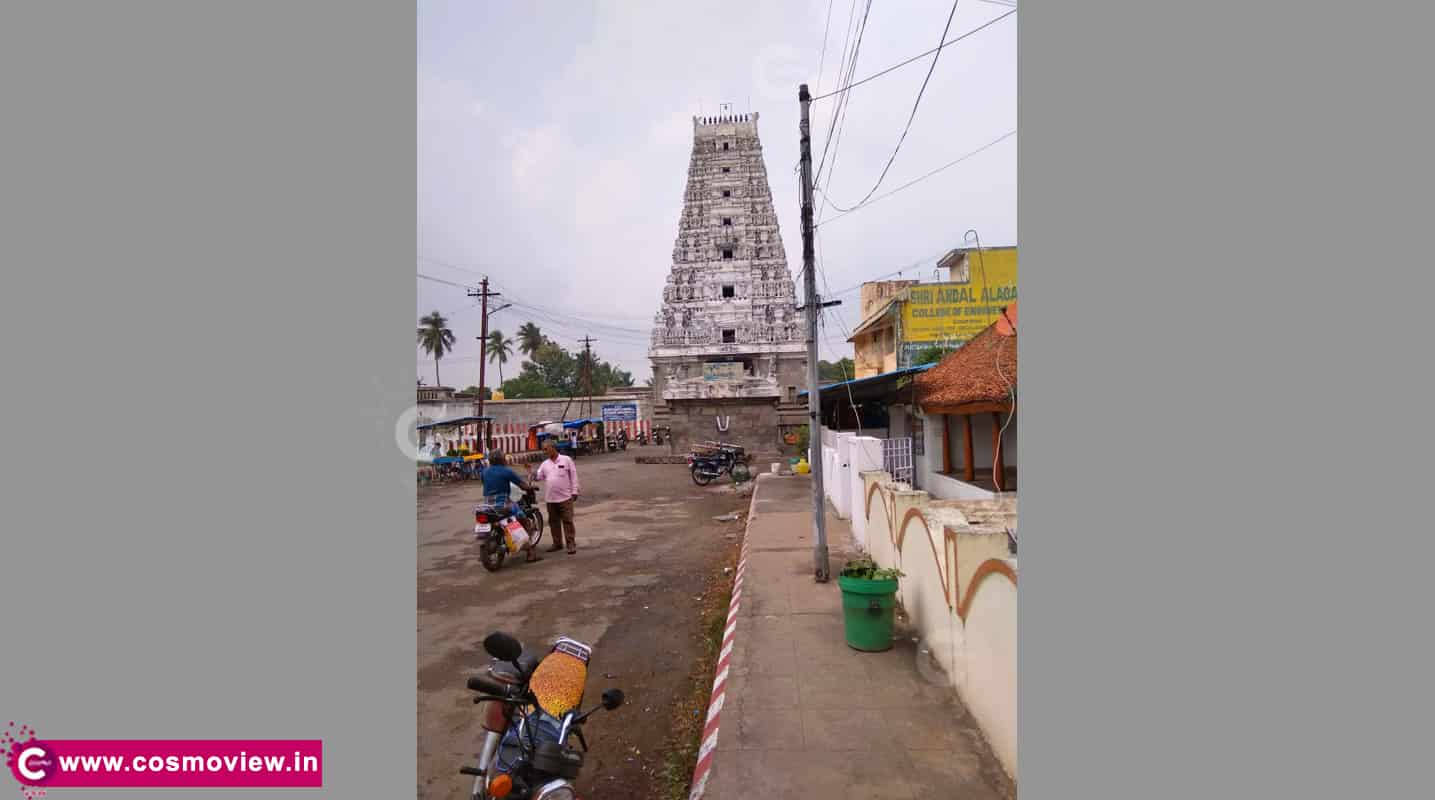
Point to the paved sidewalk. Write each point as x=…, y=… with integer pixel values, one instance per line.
x=806, y=716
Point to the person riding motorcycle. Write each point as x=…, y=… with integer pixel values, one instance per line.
x=497, y=478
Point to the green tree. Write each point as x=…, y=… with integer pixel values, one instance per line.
x=550, y=372
x=843, y=370
x=530, y=338
x=436, y=339
x=500, y=347
x=931, y=354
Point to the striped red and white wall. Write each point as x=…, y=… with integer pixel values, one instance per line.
x=512, y=437
x=707, y=751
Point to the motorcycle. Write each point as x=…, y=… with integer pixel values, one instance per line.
x=658, y=435
x=490, y=521
x=641, y=438
x=530, y=708
x=618, y=442
x=725, y=459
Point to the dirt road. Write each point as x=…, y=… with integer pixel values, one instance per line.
x=647, y=546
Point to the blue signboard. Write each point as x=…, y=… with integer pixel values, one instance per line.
x=620, y=412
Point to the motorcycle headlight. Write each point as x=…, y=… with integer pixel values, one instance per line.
x=556, y=790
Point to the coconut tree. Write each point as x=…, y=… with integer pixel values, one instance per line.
x=500, y=347
x=436, y=339
x=530, y=338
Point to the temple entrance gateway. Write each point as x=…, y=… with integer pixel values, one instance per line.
x=726, y=355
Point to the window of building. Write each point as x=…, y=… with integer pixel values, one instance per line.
x=729, y=336
x=724, y=145
x=727, y=193
x=728, y=291
x=727, y=221
x=727, y=254
x=726, y=169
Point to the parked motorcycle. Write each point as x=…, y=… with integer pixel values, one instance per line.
x=658, y=434
x=641, y=437
x=490, y=521
x=618, y=441
x=711, y=464
x=530, y=708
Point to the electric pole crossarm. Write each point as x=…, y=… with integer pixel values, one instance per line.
x=483, y=293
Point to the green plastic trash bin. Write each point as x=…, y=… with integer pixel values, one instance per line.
x=868, y=610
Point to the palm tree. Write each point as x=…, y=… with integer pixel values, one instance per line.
x=436, y=339
x=530, y=338
x=500, y=347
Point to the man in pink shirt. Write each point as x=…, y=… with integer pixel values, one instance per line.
x=560, y=489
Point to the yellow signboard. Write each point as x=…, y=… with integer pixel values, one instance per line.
x=952, y=313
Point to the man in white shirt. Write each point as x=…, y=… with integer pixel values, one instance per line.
x=560, y=489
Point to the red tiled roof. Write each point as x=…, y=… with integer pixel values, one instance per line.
x=981, y=371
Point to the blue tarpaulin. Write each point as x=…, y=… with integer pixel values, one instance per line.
x=871, y=379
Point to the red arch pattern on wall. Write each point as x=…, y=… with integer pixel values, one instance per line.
x=896, y=535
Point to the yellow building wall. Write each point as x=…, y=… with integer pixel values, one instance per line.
x=952, y=312
x=868, y=356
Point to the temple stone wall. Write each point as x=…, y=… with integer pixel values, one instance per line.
x=752, y=424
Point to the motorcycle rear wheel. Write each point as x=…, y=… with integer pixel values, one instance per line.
x=491, y=554
x=701, y=478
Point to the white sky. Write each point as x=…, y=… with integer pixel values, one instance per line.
x=553, y=143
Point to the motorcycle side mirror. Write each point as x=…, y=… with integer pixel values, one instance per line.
x=612, y=699
x=503, y=647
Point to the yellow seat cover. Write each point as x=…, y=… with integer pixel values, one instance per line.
x=558, y=683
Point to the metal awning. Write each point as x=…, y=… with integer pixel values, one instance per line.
x=453, y=422
x=870, y=387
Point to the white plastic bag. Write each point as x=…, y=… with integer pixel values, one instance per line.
x=515, y=534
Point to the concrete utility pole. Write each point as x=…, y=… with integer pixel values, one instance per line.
x=823, y=571
x=482, y=340
x=588, y=380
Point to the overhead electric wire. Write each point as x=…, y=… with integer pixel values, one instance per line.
x=845, y=105
x=910, y=117
x=450, y=266
x=584, y=322
x=832, y=117
x=571, y=318
x=826, y=26
x=441, y=280
x=915, y=181
x=917, y=57
x=845, y=70
x=498, y=285
x=589, y=314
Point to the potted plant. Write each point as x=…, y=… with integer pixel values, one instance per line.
x=869, y=594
